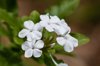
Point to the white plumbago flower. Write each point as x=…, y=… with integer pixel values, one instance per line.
x=68, y=42
x=31, y=31
x=61, y=28
x=54, y=24
x=62, y=64
x=32, y=48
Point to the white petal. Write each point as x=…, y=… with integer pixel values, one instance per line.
x=37, y=53
x=26, y=45
x=64, y=24
x=54, y=26
x=54, y=19
x=43, y=23
x=72, y=40
x=61, y=30
x=28, y=53
x=23, y=33
x=29, y=24
x=49, y=28
x=33, y=42
x=62, y=64
x=29, y=37
x=44, y=17
x=68, y=47
x=68, y=29
x=75, y=42
x=38, y=27
x=39, y=44
x=61, y=40
x=36, y=35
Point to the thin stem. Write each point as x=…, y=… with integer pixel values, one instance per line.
x=53, y=60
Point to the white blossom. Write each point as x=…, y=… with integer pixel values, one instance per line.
x=68, y=42
x=32, y=48
x=62, y=64
x=61, y=28
x=54, y=24
x=31, y=31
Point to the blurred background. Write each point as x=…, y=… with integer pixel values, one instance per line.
x=85, y=19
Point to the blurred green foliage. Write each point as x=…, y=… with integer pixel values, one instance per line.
x=8, y=5
x=10, y=56
x=65, y=8
x=82, y=39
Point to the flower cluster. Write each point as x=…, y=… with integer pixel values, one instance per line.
x=34, y=43
x=33, y=32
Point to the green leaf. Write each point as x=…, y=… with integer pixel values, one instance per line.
x=5, y=62
x=21, y=21
x=24, y=18
x=3, y=31
x=13, y=59
x=9, y=19
x=81, y=38
x=3, y=4
x=66, y=8
x=1, y=47
x=35, y=16
x=18, y=40
x=9, y=5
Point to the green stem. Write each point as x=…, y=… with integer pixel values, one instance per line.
x=53, y=60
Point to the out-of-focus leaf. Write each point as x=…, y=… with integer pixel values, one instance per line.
x=9, y=19
x=35, y=16
x=65, y=8
x=81, y=38
x=8, y=57
x=4, y=62
x=3, y=4
x=24, y=18
x=8, y=5
x=1, y=47
x=18, y=40
x=3, y=31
